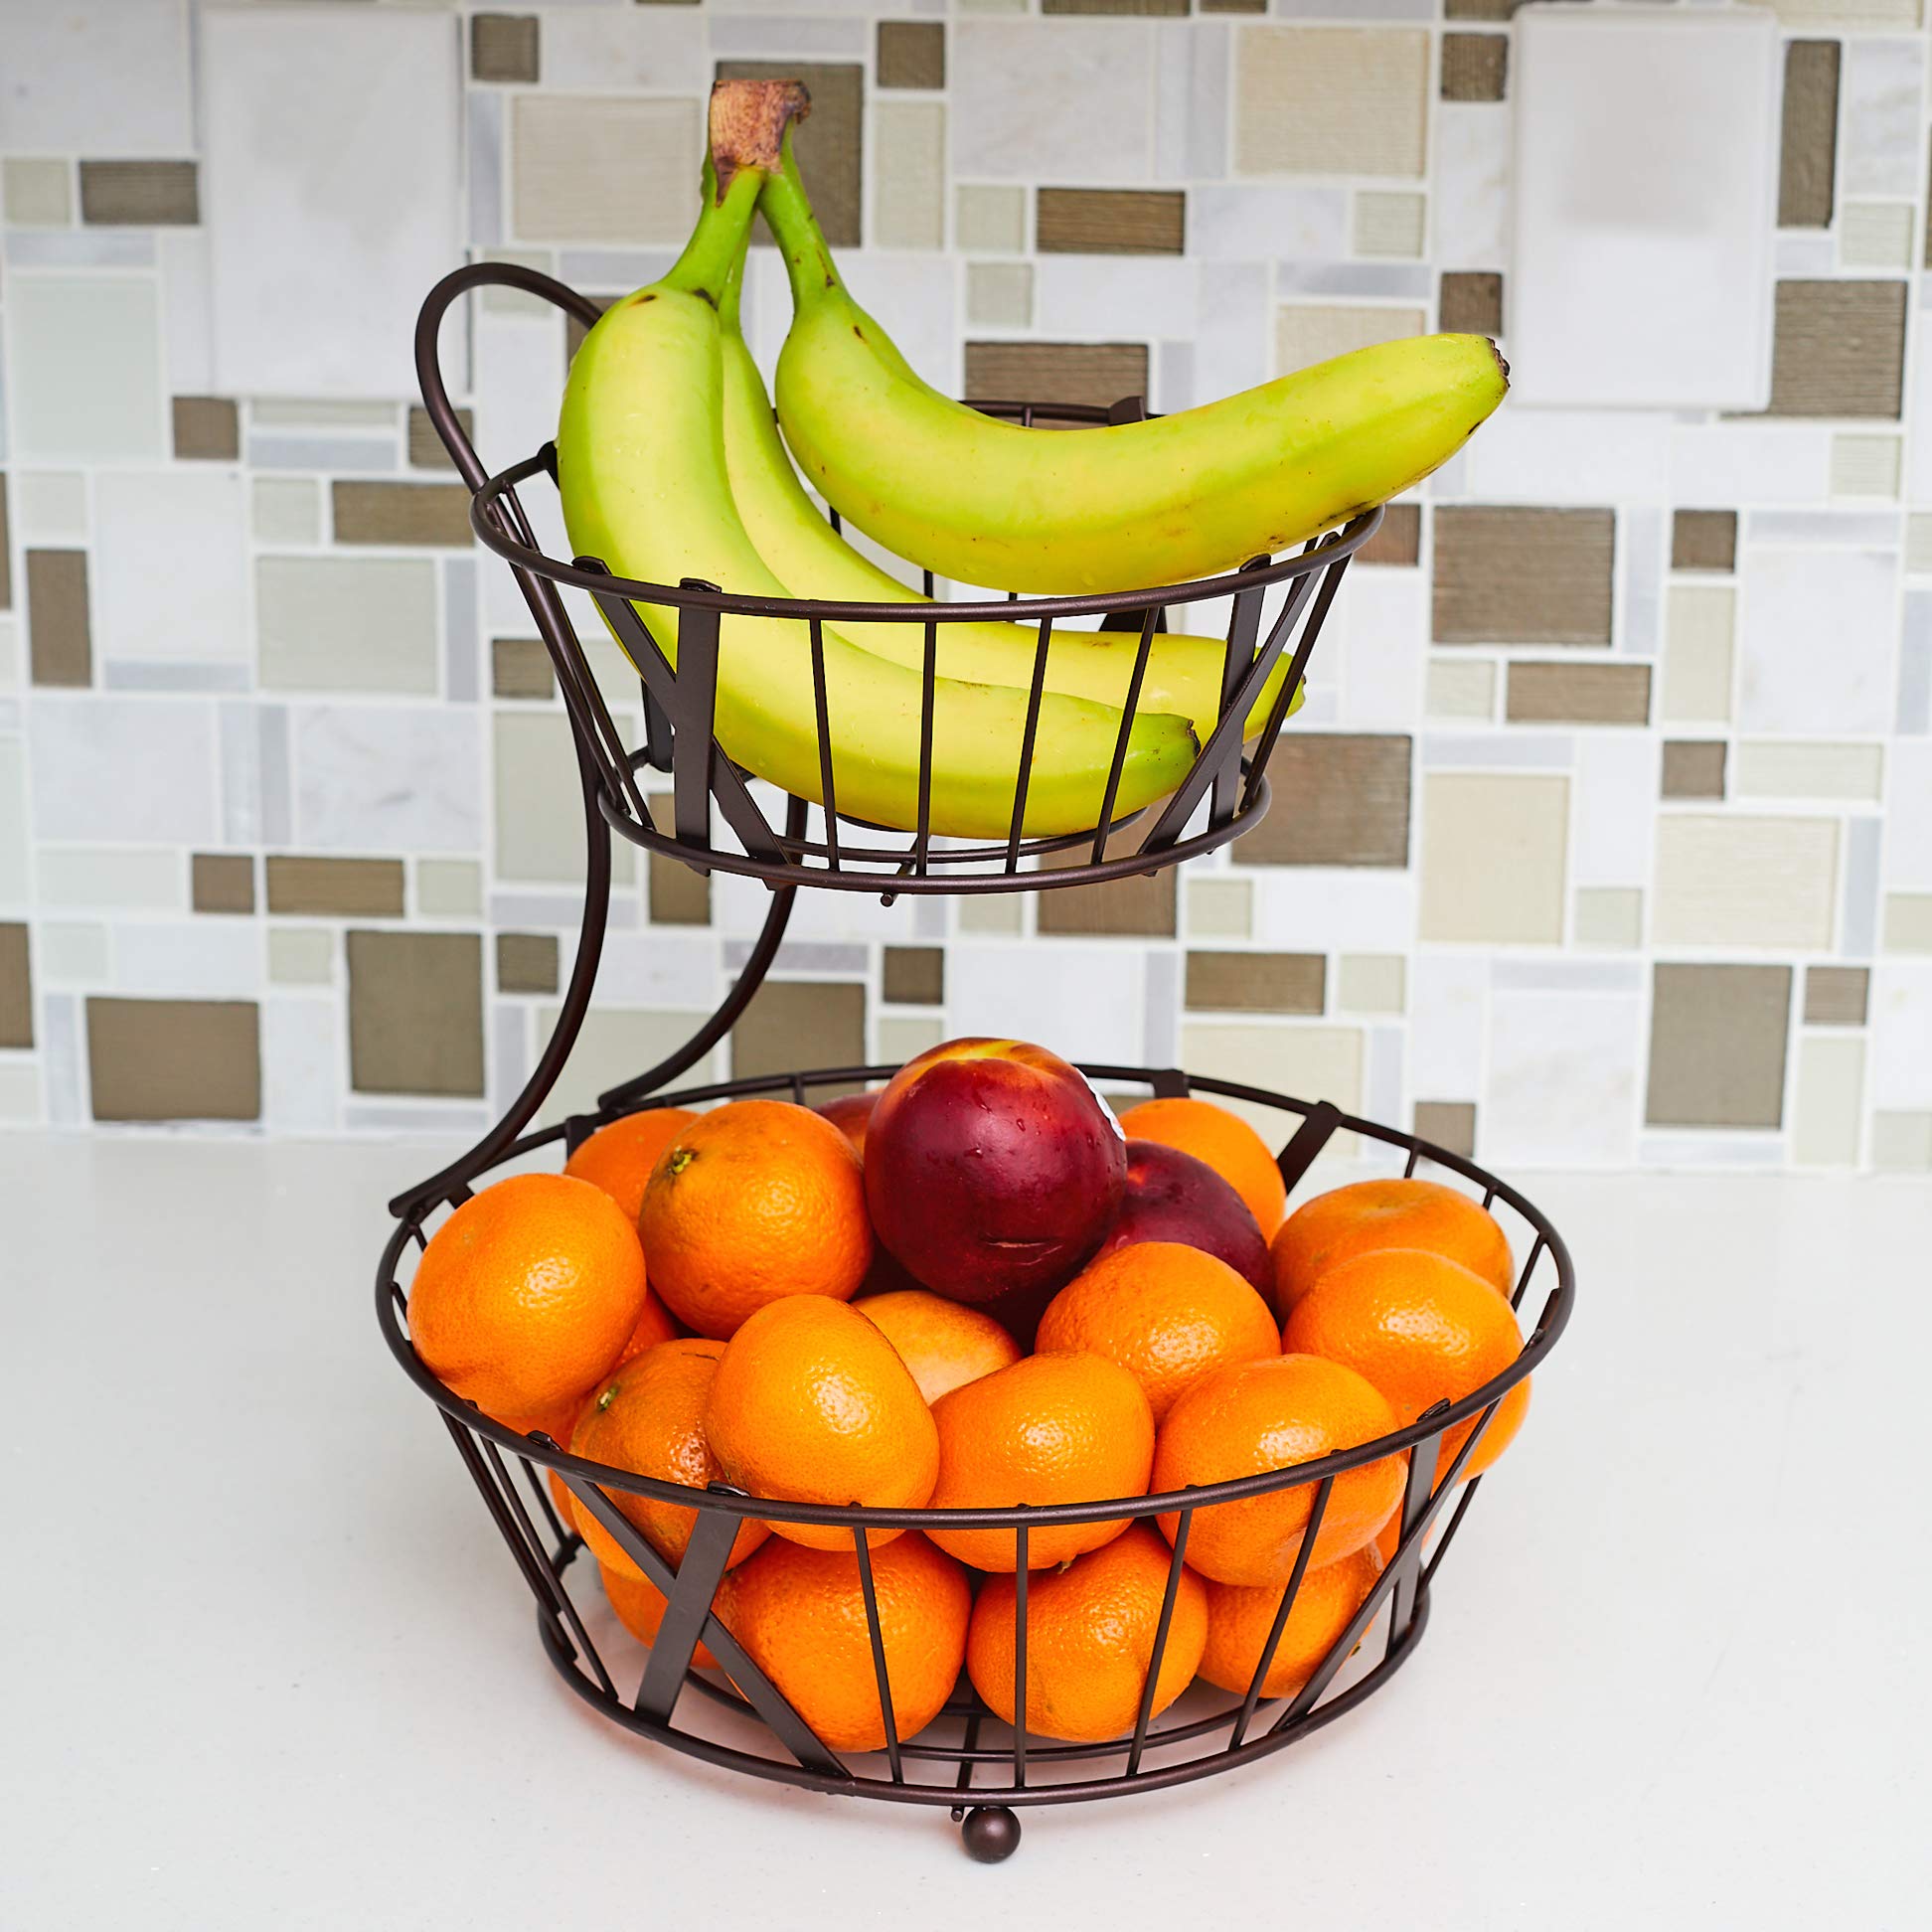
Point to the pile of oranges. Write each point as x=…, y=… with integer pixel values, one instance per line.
x=727, y=1297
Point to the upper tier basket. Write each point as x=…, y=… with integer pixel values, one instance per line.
x=1275, y=606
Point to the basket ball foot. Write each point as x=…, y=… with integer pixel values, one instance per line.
x=990, y=1833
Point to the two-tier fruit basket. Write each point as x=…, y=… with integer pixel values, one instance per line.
x=968, y=1761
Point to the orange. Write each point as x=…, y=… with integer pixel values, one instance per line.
x=649, y=1419
x=1052, y=1428
x=619, y=1158
x=943, y=1342
x=801, y=1616
x=755, y=1202
x=1165, y=1311
x=556, y=1423
x=653, y=1326
x=1423, y=1329
x=1262, y=1416
x=526, y=1293
x=1396, y=1214
x=1239, y=1619
x=1224, y=1141
x=1090, y=1629
x=640, y=1606
x=812, y=1404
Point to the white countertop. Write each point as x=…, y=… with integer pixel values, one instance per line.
x=268, y=1665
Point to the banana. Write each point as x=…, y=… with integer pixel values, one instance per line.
x=642, y=475
x=1104, y=509
x=810, y=557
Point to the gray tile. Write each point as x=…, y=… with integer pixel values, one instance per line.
x=1399, y=539
x=1807, y=155
x=424, y=446
x=678, y=895
x=175, y=1060
x=1838, y=349
x=1717, y=1046
x=1522, y=576
x=415, y=1013
x=519, y=667
x=5, y=550
x=1837, y=996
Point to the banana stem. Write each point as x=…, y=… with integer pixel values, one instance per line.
x=730, y=294
x=788, y=210
x=718, y=242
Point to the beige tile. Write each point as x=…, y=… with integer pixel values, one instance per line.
x=174, y=1060
x=913, y=975
x=1798, y=768
x=1808, y=149
x=1305, y=1062
x=1255, y=982
x=1110, y=220
x=1578, y=693
x=286, y=510
x=16, y=986
x=526, y=962
x=1160, y=9
x=1523, y=577
x=404, y=514
x=597, y=168
x=830, y=143
x=139, y=194
x=1842, y=13
x=1745, y=882
x=910, y=54
x=1474, y=66
x=994, y=912
x=301, y=955
x=800, y=1024
x=38, y=193
x=990, y=220
x=1307, y=333
x=1371, y=983
x=366, y=889
x=1901, y=1143
x=1610, y=917
x=500, y=300
x=1448, y=1124
x=1694, y=768
x=347, y=623
x=1390, y=225
x=503, y=47
x=1908, y=922
x=1218, y=909
x=999, y=294
x=1461, y=688
x=206, y=427
x=1099, y=373
x=1717, y=1046
x=1304, y=96
x=1838, y=349
x=1340, y=799
x=1703, y=540
x=615, y=1044
x=1865, y=466
x=909, y=174
x=1493, y=856
x=222, y=882
x=1876, y=234
x=415, y=1013
x=1697, y=689
x=1837, y=996
x=538, y=809
x=903, y=1037
x=448, y=888
x=58, y=632
x=1399, y=539
x=1828, y=1103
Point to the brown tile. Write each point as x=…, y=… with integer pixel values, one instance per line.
x=1578, y=693
x=415, y=1013
x=426, y=449
x=1110, y=220
x=1703, y=540
x=404, y=514
x=1340, y=799
x=206, y=428
x=1807, y=155
x=1399, y=539
x=678, y=895
x=1835, y=996
x=58, y=643
x=1158, y=9
x=1839, y=349
x=139, y=194
x=503, y=47
x=914, y=975
x=16, y=987
x=1450, y=1124
x=829, y=143
x=1523, y=577
x=1255, y=982
x=1474, y=66
x=175, y=1060
x=519, y=667
x=911, y=54
x=355, y=888
x=527, y=962
x=1717, y=1046
x=222, y=882
x=1137, y=904
x=1472, y=304
x=5, y=550
x=1480, y=9
x=1056, y=371
x=797, y=1024
x=1232, y=6
x=1694, y=770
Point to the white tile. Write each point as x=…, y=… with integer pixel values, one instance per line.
x=347, y=623
x=1562, y=1079
x=1013, y=85
x=1234, y=327
x=170, y=580
x=630, y=50
x=12, y=670
x=1901, y=1143
x=301, y=955
x=538, y=811
x=659, y=968
x=1492, y=856
x=1745, y=882
x=123, y=769
x=908, y=170
x=15, y=849
x=386, y=778
x=1616, y=794
x=1380, y=649
x=1795, y=768
x=1046, y=993
x=1191, y=64
x=924, y=307
x=1909, y=812
x=121, y=880
x=1722, y=464
x=302, y=1060
x=1901, y=1033
x=97, y=77
x=186, y=316
x=1292, y=222
x=588, y=168
x=1793, y=600
x=1527, y=455
x=1470, y=185
x=85, y=361
x=1364, y=909
x=1448, y=1022
x=302, y=305
x=49, y=506
x=1881, y=126
x=70, y=952
x=1093, y=296
x=211, y=959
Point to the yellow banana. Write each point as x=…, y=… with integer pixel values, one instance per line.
x=641, y=471
x=810, y=557
x=1104, y=509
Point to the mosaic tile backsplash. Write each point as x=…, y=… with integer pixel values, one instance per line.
x=1605, y=837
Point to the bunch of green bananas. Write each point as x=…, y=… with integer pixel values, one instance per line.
x=670, y=467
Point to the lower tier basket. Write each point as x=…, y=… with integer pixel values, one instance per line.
x=968, y=1760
